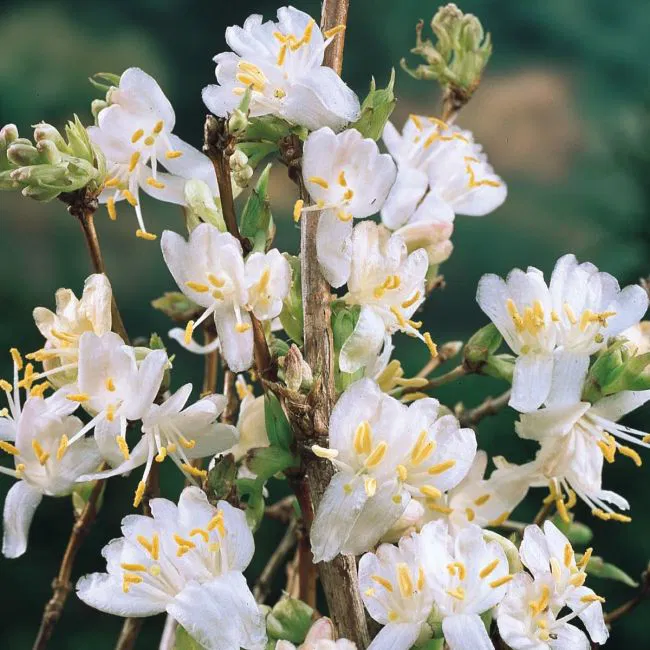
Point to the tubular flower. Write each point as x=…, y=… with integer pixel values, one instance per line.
x=182, y=434
x=386, y=453
x=73, y=317
x=282, y=63
x=251, y=425
x=554, y=329
x=388, y=284
x=35, y=434
x=348, y=179
x=210, y=270
x=319, y=637
x=135, y=134
x=441, y=172
x=558, y=582
x=113, y=388
x=186, y=560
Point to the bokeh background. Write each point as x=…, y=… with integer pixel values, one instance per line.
x=561, y=113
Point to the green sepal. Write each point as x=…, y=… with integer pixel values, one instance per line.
x=266, y=462
x=598, y=568
x=291, y=315
x=256, y=215
x=376, y=109
x=290, y=619
x=278, y=428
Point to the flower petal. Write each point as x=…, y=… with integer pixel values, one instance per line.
x=333, y=247
x=396, y=636
x=463, y=631
x=20, y=505
x=531, y=381
x=408, y=190
x=237, y=346
x=365, y=342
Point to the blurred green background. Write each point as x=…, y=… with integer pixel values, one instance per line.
x=561, y=114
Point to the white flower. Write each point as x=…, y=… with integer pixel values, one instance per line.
x=347, y=178
x=558, y=582
x=210, y=270
x=187, y=561
x=283, y=65
x=319, y=637
x=638, y=337
x=442, y=172
x=386, y=452
x=114, y=389
x=135, y=134
x=73, y=317
x=251, y=425
x=555, y=329
x=35, y=434
x=182, y=434
x=388, y=284
x=432, y=234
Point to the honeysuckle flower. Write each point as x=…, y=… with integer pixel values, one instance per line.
x=186, y=560
x=251, y=425
x=34, y=433
x=182, y=434
x=114, y=389
x=210, y=270
x=638, y=337
x=319, y=637
x=441, y=172
x=554, y=329
x=348, y=179
x=282, y=63
x=558, y=582
x=135, y=134
x=396, y=593
x=431, y=233
x=73, y=317
x=386, y=452
x=388, y=284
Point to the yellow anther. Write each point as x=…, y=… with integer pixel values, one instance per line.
x=370, y=486
x=556, y=569
x=377, y=455
x=430, y=492
x=435, y=507
x=142, y=234
x=181, y=541
x=482, y=500
x=397, y=498
x=586, y=319
x=499, y=520
x=402, y=472
x=363, y=438
x=110, y=412
x=342, y=180
x=457, y=567
x=135, y=159
x=171, y=447
x=348, y=195
x=344, y=216
x=572, y=500
x=194, y=471
x=608, y=446
x=568, y=555
x=5, y=412
x=170, y=155
x=213, y=547
x=441, y=467
x=370, y=592
x=418, y=454
x=282, y=55
x=404, y=580
x=412, y=300
x=189, y=329
x=555, y=316
x=417, y=324
x=324, y=452
x=39, y=452
x=63, y=336
x=112, y=182
x=562, y=510
x=5, y=386
x=130, y=198
x=161, y=455
x=646, y=439
x=263, y=284
x=569, y=313
x=584, y=560
x=38, y=390
x=137, y=135
x=630, y=453
x=380, y=580
x=617, y=516
x=152, y=182
x=601, y=514
x=152, y=547
x=514, y=314
x=197, y=286
x=242, y=327
x=399, y=316
x=306, y=37
x=149, y=140
x=539, y=605
x=158, y=127
x=216, y=281
x=297, y=209
x=458, y=593
x=154, y=570
x=63, y=446
x=500, y=581
x=488, y=569
x=433, y=348
x=133, y=567
x=421, y=579
x=203, y=533
x=319, y=180
x=17, y=359
x=578, y=579
x=279, y=93
x=217, y=522
x=9, y=448
x=472, y=182
x=414, y=382
x=416, y=121
x=110, y=206
x=393, y=616
x=20, y=468
x=347, y=488
x=470, y=514
x=328, y=33
x=128, y=580
x=139, y=493
x=592, y=598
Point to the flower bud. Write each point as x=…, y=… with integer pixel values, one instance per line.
x=290, y=619
x=44, y=131
x=48, y=152
x=201, y=203
x=432, y=235
x=237, y=122
x=238, y=160
x=96, y=106
x=22, y=154
x=481, y=346
x=8, y=134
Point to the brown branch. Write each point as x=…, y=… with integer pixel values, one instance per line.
x=334, y=13
x=211, y=364
x=435, y=382
x=491, y=406
x=307, y=571
x=633, y=603
x=230, y=412
x=282, y=510
x=446, y=352
x=129, y=634
x=543, y=513
x=61, y=585
x=263, y=586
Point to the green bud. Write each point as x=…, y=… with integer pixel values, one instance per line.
x=607, y=362
x=630, y=375
x=265, y=462
x=500, y=366
x=290, y=620
x=7, y=182
x=201, y=205
x=81, y=493
x=8, y=134
x=278, y=347
x=177, y=306
x=222, y=477
x=376, y=109
x=252, y=492
x=256, y=215
x=237, y=122
x=291, y=315
x=482, y=345
x=48, y=152
x=20, y=154
x=44, y=131
x=578, y=534
x=256, y=152
x=267, y=128
x=96, y=107
x=344, y=320
x=511, y=551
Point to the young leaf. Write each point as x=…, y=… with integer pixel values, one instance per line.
x=256, y=215
x=184, y=641
x=376, y=109
x=277, y=426
x=598, y=568
x=267, y=461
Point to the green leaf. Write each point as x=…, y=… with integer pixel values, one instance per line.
x=257, y=151
x=290, y=619
x=629, y=376
x=482, y=345
x=222, y=477
x=291, y=316
x=252, y=491
x=598, y=568
x=184, y=641
x=177, y=306
x=376, y=109
x=268, y=461
x=344, y=320
x=112, y=80
x=278, y=428
x=256, y=215
x=267, y=128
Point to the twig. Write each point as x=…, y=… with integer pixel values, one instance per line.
x=445, y=353
x=282, y=510
x=229, y=413
x=62, y=585
x=491, y=406
x=435, y=382
x=633, y=603
x=543, y=513
x=211, y=364
x=307, y=571
x=263, y=585
x=168, y=638
x=129, y=634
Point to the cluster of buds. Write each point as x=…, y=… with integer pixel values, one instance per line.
x=242, y=172
x=52, y=164
x=459, y=56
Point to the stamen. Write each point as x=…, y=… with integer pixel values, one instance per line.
x=133, y=202
x=404, y=580
x=153, y=547
x=194, y=471
x=370, y=486
x=578, y=579
x=568, y=555
x=133, y=567
x=416, y=121
x=433, y=348
x=344, y=216
x=282, y=54
x=435, y=507
x=149, y=140
x=380, y=580
x=328, y=33
x=133, y=163
x=377, y=455
x=441, y=467
x=482, y=500
x=297, y=209
x=488, y=569
x=154, y=183
x=242, y=327
x=112, y=182
x=170, y=155
x=570, y=314
x=110, y=384
x=584, y=560
x=342, y=180
x=199, y=531
x=630, y=453
x=363, y=438
x=137, y=135
x=412, y=300
x=348, y=194
x=430, y=491
x=158, y=127
x=470, y=514
x=17, y=359
x=188, y=444
x=139, y=493
x=39, y=452
x=453, y=567
x=162, y=454
x=9, y=448
x=402, y=472
x=499, y=520
x=556, y=569
x=142, y=234
x=324, y=452
x=63, y=446
x=501, y=581
x=592, y=598
x=458, y=593
x=189, y=329
x=78, y=397
x=197, y=286
x=217, y=522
